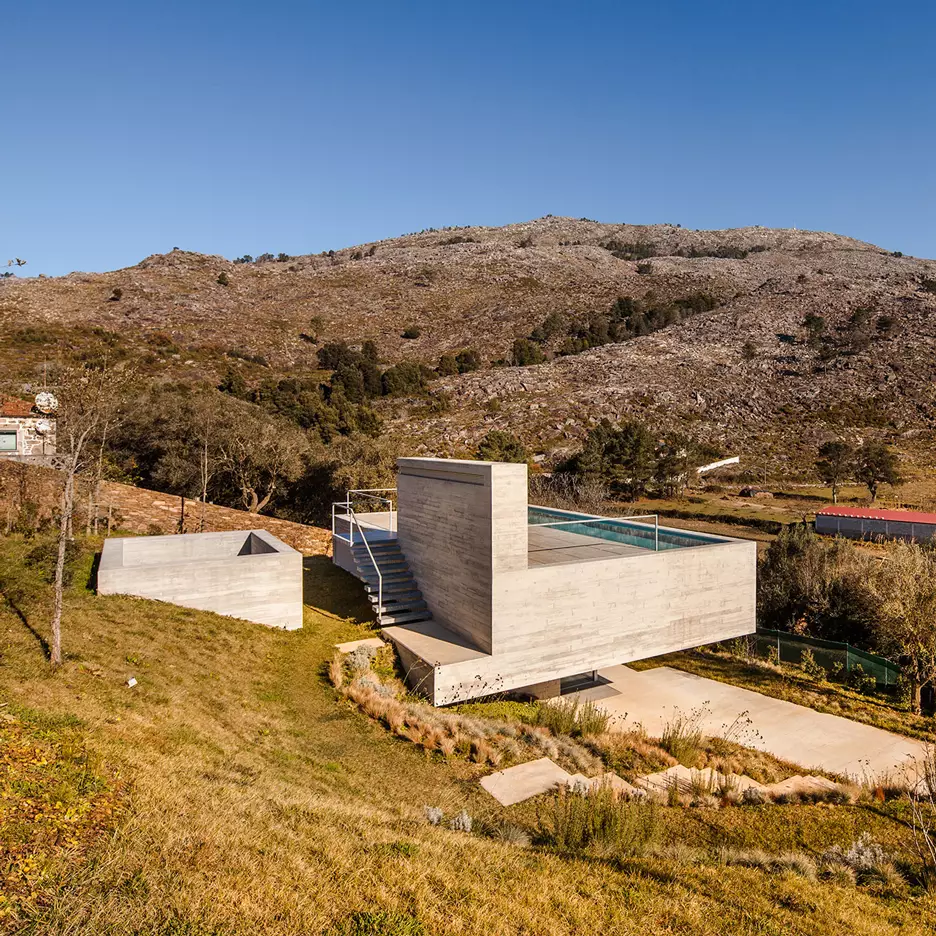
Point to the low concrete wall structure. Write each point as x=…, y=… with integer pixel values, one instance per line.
x=247, y=574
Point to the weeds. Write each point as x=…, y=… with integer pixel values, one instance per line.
x=682, y=735
x=597, y=819
x=571, y=717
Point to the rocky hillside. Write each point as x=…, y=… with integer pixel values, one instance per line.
x=747, y=373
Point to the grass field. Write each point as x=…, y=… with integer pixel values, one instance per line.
x=233, y=791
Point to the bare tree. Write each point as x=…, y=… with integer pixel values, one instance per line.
x=89, y=398
x=905, y=586
x=259, y=454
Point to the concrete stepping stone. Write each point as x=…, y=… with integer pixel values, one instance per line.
x=801, y=785
x=374, y=642
x=516, y=784
x=687, y=778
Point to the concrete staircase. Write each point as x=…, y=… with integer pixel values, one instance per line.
x=402, y=600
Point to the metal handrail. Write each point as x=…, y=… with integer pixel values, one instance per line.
x=354, y=520
x=594, y=519
x=373, y=493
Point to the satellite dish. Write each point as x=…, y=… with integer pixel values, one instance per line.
x=46, y=402
x=43, y=426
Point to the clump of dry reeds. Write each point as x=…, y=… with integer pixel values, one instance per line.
x=483, y=740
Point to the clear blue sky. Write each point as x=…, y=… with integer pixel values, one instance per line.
x=130, y=128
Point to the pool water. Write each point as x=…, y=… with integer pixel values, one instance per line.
x=619, y=531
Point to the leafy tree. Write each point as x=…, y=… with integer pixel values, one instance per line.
x=526, y=352
x=283, y=257
x=677, y=458
x=808, y=585
x=468, y=360
x=815, y=326
x=448, y=366
x=406, y=378
x=835, y=463
x=259, y=454
x=501, y=446
x=624, y=457
x=876, y=464
x=905, y=585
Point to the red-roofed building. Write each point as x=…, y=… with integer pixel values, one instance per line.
x=870, y=523
x=24, y=431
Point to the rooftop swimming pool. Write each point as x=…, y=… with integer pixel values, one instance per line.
x=631, y=533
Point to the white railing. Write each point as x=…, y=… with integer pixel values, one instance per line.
x=654, y=517
x=374, y=494
x=353, y=522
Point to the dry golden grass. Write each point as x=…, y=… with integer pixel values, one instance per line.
x=263, y=802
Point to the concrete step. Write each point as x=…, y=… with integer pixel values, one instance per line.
x=391, y=588
x=384, y=548
x=392, y=578
x=408, y=617
x=409, y=594
x=385, y=565
x=399, y=607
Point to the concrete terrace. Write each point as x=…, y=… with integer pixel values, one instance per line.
x=546, y=545
x=478, y=599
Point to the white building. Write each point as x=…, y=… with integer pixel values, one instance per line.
x=481, y=592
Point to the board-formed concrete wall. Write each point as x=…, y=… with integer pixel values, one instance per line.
x=246, y=574
x=560, y=620
x=459, y=522
x=463, y=526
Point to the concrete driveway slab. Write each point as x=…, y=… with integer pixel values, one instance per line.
x=792, y=732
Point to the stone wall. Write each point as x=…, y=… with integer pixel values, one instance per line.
x=138, y=510
x=28, y=441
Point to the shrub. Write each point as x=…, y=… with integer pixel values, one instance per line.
x=644, y=269
x=571, y=717
x=682, y=735
x=526, y=352
x=447, y=366
x=810, y=667
x=461, y=822
x=598, y=817
x=411, y=333
x=44, y=557
x=861, y=681
x=501, y=446
x=468, y=360
x=223, y=279
x=116, y=295
x=434, y=815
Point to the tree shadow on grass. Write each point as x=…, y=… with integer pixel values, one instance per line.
x=18, y=611
x=328, y=588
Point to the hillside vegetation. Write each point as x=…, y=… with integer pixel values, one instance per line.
x=764, y=342
x=234, y=791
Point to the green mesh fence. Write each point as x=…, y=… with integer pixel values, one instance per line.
x=790, y=647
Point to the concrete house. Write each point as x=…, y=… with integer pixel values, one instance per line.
x=25, y=433
x=481, y=592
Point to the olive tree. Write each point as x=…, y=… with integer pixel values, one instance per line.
x=905, y=587
x=835, y=463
